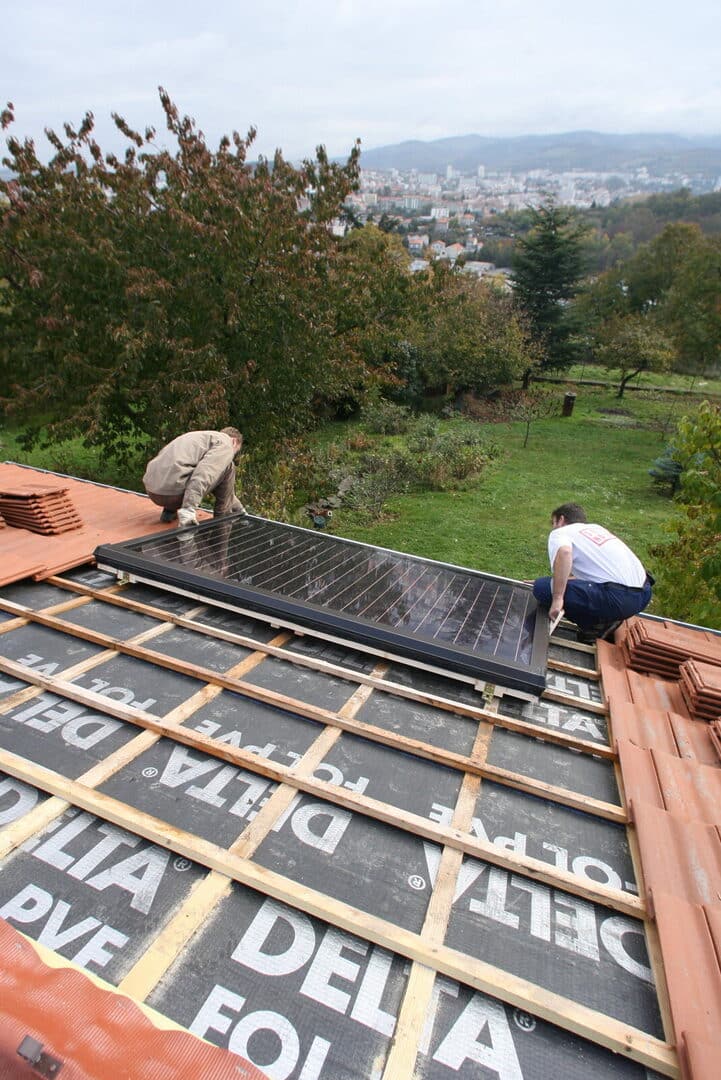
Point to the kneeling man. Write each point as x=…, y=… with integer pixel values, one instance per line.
x=596, y=578
x=192, y=466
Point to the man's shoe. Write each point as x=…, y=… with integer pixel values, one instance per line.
x=168, y=515
x=599, y=632
x=610, y=630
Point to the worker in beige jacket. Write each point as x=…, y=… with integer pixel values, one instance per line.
x=192, y=466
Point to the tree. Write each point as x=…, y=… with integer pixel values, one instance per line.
x=468, y=333
x=632, y=344
x=692, y=309
x=173, y=289
x=689, y=565
x=547, y=268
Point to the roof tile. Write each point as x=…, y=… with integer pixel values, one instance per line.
x=678, y=856
x=694, y=981
x=108, y=515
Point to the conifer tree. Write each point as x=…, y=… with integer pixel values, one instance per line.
x=547, y=268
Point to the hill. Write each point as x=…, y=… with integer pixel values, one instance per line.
x=592, y=150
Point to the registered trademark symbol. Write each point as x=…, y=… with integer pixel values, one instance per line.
x=417, y=882
x=149, y=772
x=182, y=864
x=523, y=1020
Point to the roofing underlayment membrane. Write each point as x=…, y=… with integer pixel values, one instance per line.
x=234, y=845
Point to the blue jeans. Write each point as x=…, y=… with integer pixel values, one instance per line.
x=588, y=603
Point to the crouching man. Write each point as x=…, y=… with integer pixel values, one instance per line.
x=190, y=467
x=596, y=579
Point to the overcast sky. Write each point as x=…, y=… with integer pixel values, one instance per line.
x=329, y=71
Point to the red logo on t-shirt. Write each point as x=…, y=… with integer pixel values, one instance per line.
x=598, y=537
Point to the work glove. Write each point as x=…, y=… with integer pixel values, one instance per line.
x=187, y=517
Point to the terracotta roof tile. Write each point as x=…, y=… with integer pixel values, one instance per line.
x=640, y=779
x=108, y=516
x=614, y=674
x=650, y=728
x=679, y=856
x=694, y=740
x=689, y=943
x=714, y=731
x=685, y=788
x=661, y=648
x=701, y=687
x=699, y=1058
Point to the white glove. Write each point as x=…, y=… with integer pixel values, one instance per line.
x=187, y=517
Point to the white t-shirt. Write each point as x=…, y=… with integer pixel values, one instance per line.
x=598, y=555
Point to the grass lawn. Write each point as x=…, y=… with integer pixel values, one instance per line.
x=499, y=523
x=648, y=380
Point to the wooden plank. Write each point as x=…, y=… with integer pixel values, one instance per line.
x=573, y=669
x=151, y=967
x=574, y=702
x=545, y=1004
x=569, y=643
x=414, y=1011
x=523, y=727
x=324, y=716
x=350, y=800
x=40, y=817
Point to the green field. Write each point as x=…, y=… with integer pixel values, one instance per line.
x=598, y=457
x=498, y=521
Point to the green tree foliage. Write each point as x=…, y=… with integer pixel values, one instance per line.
x=547, y=269
x=632, y=344
x=468, y=333
x=689, y=566
x=692, y=307
x=174, y=289
x=673, y=282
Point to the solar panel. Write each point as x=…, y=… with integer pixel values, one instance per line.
x=464, y=621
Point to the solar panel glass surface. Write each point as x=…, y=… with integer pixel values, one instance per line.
x=474, y=623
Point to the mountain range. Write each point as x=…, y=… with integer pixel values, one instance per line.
x=590, y=150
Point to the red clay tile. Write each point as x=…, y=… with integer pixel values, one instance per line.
x=689, y=789
x=639, y=774
x=694, y=740
x=693, y=977
x=108, y=515
x=663, y=647
x=699, y=1058
x=614, y=678
x=679, y=857
x=714, y=731
x=644, y=727
x=655, y=693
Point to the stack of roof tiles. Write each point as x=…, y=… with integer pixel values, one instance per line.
x=660, y=648
x=40, y=508
x=2, y=522
x=701, y=688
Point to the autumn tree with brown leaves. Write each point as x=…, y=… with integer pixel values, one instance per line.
x=166, y=290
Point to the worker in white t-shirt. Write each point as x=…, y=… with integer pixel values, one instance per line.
x=596, y=580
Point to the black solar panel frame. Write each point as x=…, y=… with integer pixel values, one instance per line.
x=527, y=678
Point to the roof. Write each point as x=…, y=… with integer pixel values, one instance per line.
x=107, y=515
x=340, y=866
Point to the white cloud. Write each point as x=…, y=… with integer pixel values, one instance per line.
x=310, y=71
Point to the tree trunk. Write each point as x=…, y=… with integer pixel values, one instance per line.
x=627, y=379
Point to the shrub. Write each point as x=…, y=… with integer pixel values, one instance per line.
x=666, y=471
x=383, y=417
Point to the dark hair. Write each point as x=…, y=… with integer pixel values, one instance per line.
x=571, y=512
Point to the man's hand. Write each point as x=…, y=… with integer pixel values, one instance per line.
x=187, y=517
